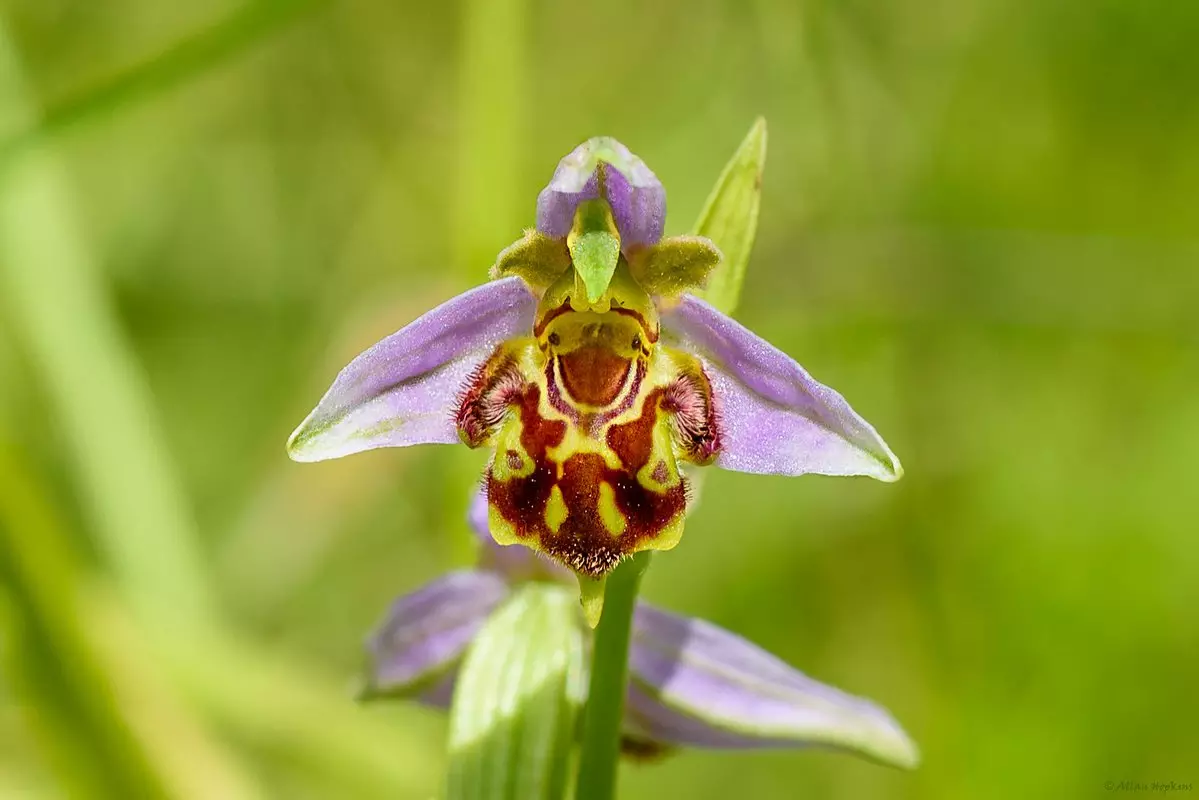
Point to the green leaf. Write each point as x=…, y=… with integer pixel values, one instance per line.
x=730, y=217
x=513, y=720
x=46, y=659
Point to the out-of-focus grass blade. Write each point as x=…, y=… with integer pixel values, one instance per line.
x=490, y=128
x=106, y=729
x=730, y=217
x=45, y=656
x=285, y=706
x=176, y=63
x=488, y=167
x=515, y=708
x=51, y=286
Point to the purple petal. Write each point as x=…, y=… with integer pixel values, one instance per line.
x=477, y=515
x=775, y=418
x=638, y=203
x=634, y=193
x=402, y=390
x=699, y=685
x=426, y=632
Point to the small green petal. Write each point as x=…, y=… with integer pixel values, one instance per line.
x=517, y=700
x=537, y=259
x=730, y=217
x=594, y=246
x=675, y=265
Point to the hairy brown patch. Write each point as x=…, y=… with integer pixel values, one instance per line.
x=491, y=388
x=696, y=420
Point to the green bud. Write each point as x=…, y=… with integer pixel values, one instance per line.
x=517, y=700
x=730, y=217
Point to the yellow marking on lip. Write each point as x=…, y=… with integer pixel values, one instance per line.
x=511, y=460
x=555, y=510
x=661, y=461
x=577, y=441
x=503, y=531
x=667, y=538
x=609, y=514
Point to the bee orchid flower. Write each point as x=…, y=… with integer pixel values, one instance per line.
x=692, y=684
x=593, y=374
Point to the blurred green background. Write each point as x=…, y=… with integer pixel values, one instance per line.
x=980, y=223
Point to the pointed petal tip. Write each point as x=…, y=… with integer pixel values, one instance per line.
x=886, y=466
x=591, y=598
x=298, y=448
x=895, y=470
x=878, y=737
x=890, y=746
x=906, y=754
x=757, y=133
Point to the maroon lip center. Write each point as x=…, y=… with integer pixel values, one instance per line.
x=593, y=374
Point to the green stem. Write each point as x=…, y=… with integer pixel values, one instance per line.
x=609, y=678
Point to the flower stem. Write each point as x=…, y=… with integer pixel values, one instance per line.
x=609, y=677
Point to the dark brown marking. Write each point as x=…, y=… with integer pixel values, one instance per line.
x=650, y=333
x=550, y=316
x=582, y=542
x=633, y=441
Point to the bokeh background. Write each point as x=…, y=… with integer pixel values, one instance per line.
x=980, y=223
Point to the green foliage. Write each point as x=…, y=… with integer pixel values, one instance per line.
x=516, y=700
x=94, y=384
x=45, y=654
x=730, y=217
